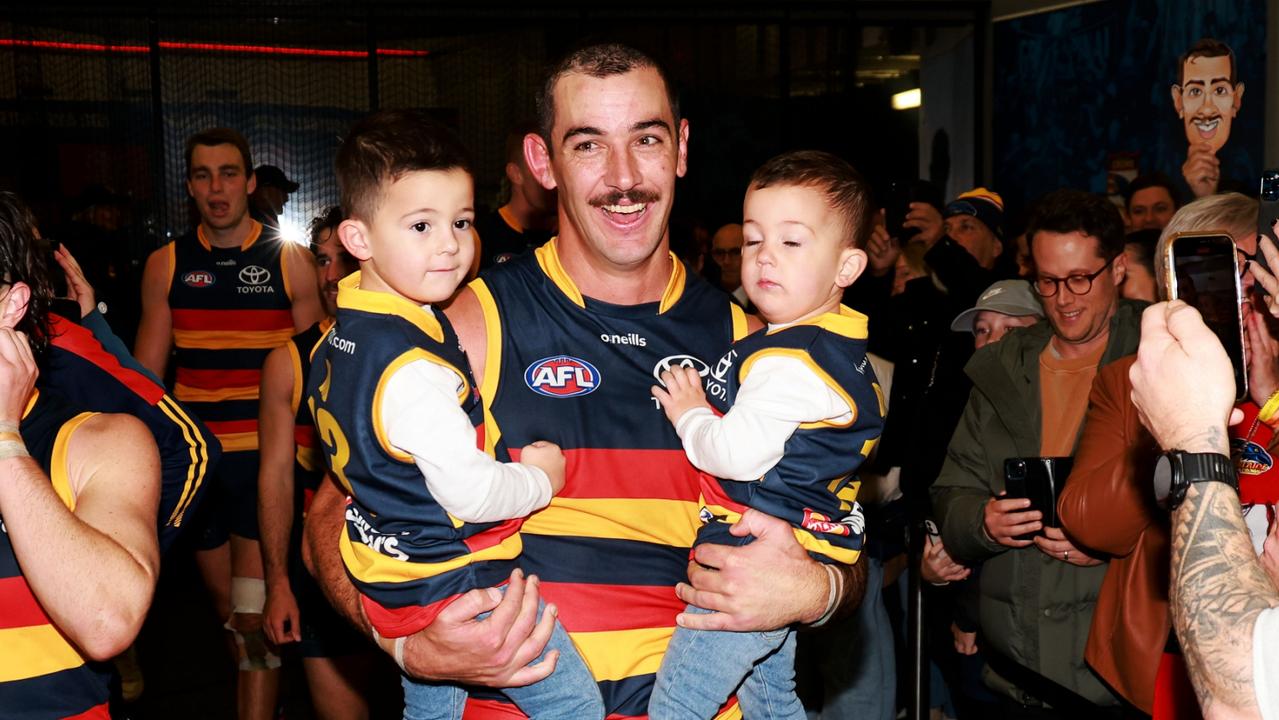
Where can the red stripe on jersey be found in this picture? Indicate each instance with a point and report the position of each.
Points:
(715, 495)
(226, 427)
(18, 607)
(218, 379)
(610, 473)
(237, 320)
(477, 709)
(80, 341)
(401, 622)
(305, 436)
(492, 536)
(95, 713)
(601, 608)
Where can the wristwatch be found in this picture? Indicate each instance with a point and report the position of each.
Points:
(1176, 469)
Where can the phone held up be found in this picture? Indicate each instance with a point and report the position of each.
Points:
(1269, 212)
(1203, 270)
(1040, 479)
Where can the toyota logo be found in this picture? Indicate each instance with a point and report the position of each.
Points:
(674, 361)
(254, 275)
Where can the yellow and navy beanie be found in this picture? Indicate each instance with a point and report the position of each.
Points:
(983, 204)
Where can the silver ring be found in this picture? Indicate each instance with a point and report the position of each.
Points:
(1065, 555)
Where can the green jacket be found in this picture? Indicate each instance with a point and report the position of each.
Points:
(1034, 609)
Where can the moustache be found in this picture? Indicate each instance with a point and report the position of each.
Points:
(616, 197)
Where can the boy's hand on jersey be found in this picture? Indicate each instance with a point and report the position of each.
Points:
(683, 392)
(548, 457)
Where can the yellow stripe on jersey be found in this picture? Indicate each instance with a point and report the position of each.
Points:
(370, 566)
(818, 371)
(619, 654)
(847, 323)
(311, 459)
(231, 340)
(674, 286)
(58, 463)
(295, 361)
(409, 356)
(548, 258)
(171, 254)
(34, 651)
(186, 393)
(237, 442)
(806, 539)
(199, 451)
(667, 522)
(740, 327)
(492, 361)
(352, 297)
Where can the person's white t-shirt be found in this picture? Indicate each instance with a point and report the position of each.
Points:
(1265, 663)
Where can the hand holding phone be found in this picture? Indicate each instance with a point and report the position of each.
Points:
(1202, 269)
(1039, 480)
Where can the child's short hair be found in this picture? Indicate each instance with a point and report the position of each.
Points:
(845, 189)
(386, 145)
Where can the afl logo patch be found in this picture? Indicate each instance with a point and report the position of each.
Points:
(562, 376)
(1251, 458)
(199, 279)
(254, 275)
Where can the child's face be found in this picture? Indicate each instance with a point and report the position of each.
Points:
(795, 264)
(420, 243)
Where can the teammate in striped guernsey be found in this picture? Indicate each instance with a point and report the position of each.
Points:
(336, 659)
(78, 499)
(224, 296)
(793, 411)
(539, 333)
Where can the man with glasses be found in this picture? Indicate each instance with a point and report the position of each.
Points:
(726, 248)
(1029, 396)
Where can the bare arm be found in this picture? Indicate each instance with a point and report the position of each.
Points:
(155, 329)
(467, 318)
(275, 491)
(307, 308)
(93, 569)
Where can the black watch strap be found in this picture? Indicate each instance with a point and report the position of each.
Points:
(1209, 467)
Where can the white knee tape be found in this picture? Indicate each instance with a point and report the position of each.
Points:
(248, 595)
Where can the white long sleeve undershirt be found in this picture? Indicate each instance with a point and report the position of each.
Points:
(776, 396)
(422, 417)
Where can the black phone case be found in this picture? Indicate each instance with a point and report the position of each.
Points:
(1039, 479)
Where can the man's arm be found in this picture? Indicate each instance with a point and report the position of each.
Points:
(275, 492)
(962, 489)
(305, 291)
(93, 569)
(155, 329)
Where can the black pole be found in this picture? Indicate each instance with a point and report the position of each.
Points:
(157, 125)
(917, 701)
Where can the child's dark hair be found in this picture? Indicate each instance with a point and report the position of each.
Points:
(845, 189)
(383, 147)
(25, 258)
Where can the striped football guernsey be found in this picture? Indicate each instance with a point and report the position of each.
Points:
(813, 486)
(231, 307)
(42, 674)
(407, 556)
(82, 370)
(576, 371)
(308, 460)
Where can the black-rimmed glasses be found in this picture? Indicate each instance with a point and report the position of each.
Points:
(1047, 286)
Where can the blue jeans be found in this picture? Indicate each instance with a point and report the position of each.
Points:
(569, 693)
(702, 668)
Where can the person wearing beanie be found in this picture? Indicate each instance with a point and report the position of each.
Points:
(965, 242)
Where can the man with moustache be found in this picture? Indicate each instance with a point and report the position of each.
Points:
(564, 343)
(1029, 397)
(1207, 98)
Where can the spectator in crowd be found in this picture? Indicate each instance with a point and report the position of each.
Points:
(1005, 305)
(726, 249)
(267, 201)
(1028, 399)
(528, 219)
(1139, 251)
(1151, 200)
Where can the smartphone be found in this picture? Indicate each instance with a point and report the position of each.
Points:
(1269, 212)
(1202, 269)
(1038, 479)
(897, 206)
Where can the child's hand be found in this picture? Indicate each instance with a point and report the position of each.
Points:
(683, 392)
(548, 457)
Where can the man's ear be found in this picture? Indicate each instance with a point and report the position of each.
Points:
(252, 185)
(538, 158)
(852, 263)
(13, 306)
(1120, 268)
(354, 235)
(514, 174)
(681, 165)
(1176, 100)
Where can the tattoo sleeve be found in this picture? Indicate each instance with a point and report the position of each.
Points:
(1218, 590)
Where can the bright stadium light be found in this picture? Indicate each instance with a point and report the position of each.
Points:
(294, 233)
(907, 100)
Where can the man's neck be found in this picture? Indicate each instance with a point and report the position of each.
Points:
(527, 216)
(598, 279)
(1074, 351)
(230, 237)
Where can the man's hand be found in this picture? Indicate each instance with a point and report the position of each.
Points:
(1056, 545)
(550, 458)
(1266, 279)
(1180, 358)
(280, 616)
(927, 220)
(766, 585)
(495, 651)
(882, 250)
(1263, 359)
(939, 568)
(78, 287)
(17, 375)
(1006, 518)
(1202, 170)
(1270, 555)
(683, 392)
(965, 642)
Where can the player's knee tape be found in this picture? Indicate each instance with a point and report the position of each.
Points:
(248, 597)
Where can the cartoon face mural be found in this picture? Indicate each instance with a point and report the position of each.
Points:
(1208, 93)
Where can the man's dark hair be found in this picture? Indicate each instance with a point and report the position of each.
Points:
(1207, 47)
(220, 136)
(25, 258)
(385, 146)
(598, 61)
(1149, 180)
(1140, 246)
(1067, 211)
(843, 187)
(329, 219)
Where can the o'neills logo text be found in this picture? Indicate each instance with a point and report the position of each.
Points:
(627, 339)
